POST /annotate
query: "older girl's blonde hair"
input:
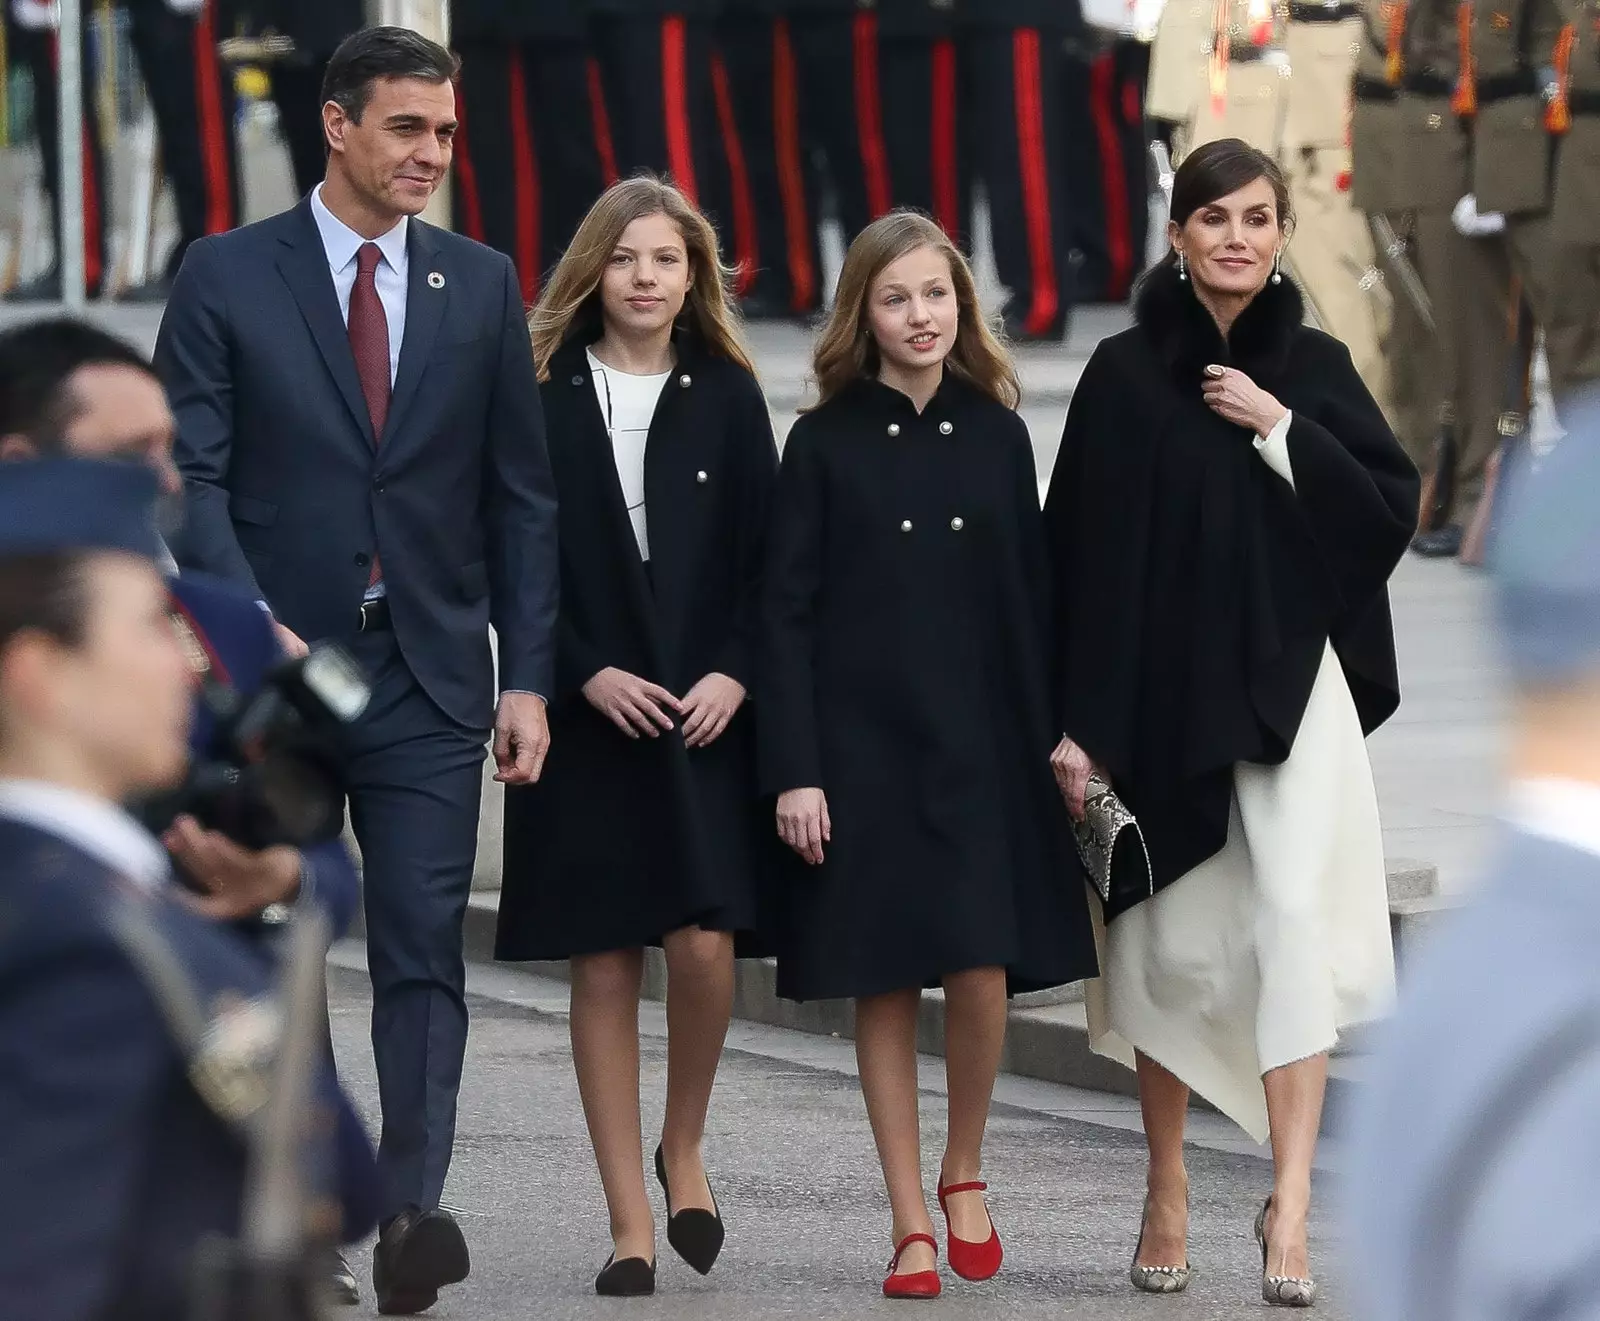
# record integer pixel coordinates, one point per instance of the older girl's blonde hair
(573, 292)
(846, 351)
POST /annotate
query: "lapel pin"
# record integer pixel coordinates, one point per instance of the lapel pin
(435, 280)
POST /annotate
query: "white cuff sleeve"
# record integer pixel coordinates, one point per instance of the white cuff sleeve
(1274, 448)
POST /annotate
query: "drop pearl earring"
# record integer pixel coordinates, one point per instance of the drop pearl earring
(1183, 270)
(1277, 275)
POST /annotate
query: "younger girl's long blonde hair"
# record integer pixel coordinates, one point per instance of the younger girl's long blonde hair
(846, 351)
(573, 293)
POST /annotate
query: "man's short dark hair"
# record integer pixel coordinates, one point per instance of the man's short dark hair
(382, 52)
(38, 359)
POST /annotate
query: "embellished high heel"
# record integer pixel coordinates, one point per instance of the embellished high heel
(695, 1234)
(1281, 1290)
(969, 1260)
(916, 1284)
(1155, 1279)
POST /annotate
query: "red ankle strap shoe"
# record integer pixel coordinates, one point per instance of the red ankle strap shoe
(916, 1284)
(971, 1261)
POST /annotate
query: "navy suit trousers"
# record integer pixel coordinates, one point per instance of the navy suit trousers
(415, 779)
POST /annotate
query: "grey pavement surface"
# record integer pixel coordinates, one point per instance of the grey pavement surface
(790, 1155)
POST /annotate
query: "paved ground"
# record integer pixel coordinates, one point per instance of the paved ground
(792, 1160)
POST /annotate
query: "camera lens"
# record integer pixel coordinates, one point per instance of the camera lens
(335, 679)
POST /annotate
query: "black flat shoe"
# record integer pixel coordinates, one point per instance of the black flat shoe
(632, 1277)
(1442, 544)
(695, 1234)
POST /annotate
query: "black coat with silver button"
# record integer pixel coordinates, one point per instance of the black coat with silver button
(624, 840)
(904, 671)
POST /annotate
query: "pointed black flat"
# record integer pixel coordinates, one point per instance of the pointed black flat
(695, 1234)
(632, 1277)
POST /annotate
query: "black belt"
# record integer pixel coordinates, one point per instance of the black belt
(374, 616)
(1418, 84)
(1309, 11)
(1504, 86)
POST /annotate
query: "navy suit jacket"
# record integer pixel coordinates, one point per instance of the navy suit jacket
(243, 649)
(289, 492)
(112, 1167)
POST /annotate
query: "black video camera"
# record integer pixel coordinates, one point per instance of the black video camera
(270, 773)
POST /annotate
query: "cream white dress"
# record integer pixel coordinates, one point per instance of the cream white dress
(1261, 955)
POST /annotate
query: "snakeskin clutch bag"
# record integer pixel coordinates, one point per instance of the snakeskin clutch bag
(1110, 841)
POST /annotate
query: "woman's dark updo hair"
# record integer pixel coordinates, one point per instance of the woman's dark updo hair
(1215, 169)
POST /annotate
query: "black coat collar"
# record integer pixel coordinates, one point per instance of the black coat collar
(1188, 339)
(571, 358)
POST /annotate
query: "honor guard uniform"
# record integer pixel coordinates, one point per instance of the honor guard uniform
(31, 37)
(1536, 161)
(534, 148)
(137, 1039)
(756, 41)
(192, 98)
(1412, 148)
(1014, 124)
(315, 27)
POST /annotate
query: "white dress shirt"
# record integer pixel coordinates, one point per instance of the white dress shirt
(101, 829)
(628, 404)
(342, 243)
(1562, 811)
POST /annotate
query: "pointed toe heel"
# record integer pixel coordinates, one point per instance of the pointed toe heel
(1155, 1279)
(695, 1234)
(1281, 1290)
(916, 1284)
(969, 1260)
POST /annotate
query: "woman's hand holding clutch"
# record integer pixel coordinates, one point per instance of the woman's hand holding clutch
(803, 822)
(1073, 767)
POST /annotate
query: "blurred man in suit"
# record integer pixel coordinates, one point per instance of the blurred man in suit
(1475, 1156)
(361, 440)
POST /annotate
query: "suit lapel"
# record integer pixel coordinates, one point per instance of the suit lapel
(425, 306)
(303, 263)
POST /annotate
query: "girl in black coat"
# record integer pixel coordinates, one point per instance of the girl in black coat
(1225, 512)
(645, 828)
(906, 720)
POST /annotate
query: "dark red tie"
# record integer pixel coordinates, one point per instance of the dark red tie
(369, 341)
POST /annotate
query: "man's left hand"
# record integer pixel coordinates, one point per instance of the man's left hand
(237, 882)
(521, 738)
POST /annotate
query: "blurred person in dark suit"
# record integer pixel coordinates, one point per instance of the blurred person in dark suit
(125, 1127)
(316, 27)
(360, 436)
(1475, 1160)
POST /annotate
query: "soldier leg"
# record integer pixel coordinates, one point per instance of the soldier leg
(1331, 255)
(38, 51)
(1105, 186)
(297, 92)
(1415, 392)
(759, 58)
(1469, 281)
(1014, 91)
(845, 123)
(571, 136)
(1562, 282)
(192, 97)
(496, 175)
(920, 116)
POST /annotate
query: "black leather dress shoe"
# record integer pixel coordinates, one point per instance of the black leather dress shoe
(1441, 544)
(418, 1253)
(342, 1287)
(157, 290)
(44, 288)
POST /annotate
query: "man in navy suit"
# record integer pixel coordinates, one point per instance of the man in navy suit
(69, 389)
(360, 436)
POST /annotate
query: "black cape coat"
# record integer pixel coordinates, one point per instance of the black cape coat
(624, 840)
(904, 672)
(1196, 588)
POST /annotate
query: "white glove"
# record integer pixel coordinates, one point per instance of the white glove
(1473, 223)
(188, 8)
(36, 15)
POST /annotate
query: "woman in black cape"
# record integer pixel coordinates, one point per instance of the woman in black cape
(906, 717)
(646, 828)
(1225, 511)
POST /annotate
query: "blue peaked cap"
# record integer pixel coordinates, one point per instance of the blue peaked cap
(1547, 560)
(63, 505)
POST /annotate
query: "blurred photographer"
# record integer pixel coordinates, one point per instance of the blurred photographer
(69, 389)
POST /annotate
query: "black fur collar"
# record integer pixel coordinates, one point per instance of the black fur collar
(1188, 339)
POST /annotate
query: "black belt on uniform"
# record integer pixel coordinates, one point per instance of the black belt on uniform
(1418, 84)
(374, 615)
(1504, 86)
(1312, 11)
